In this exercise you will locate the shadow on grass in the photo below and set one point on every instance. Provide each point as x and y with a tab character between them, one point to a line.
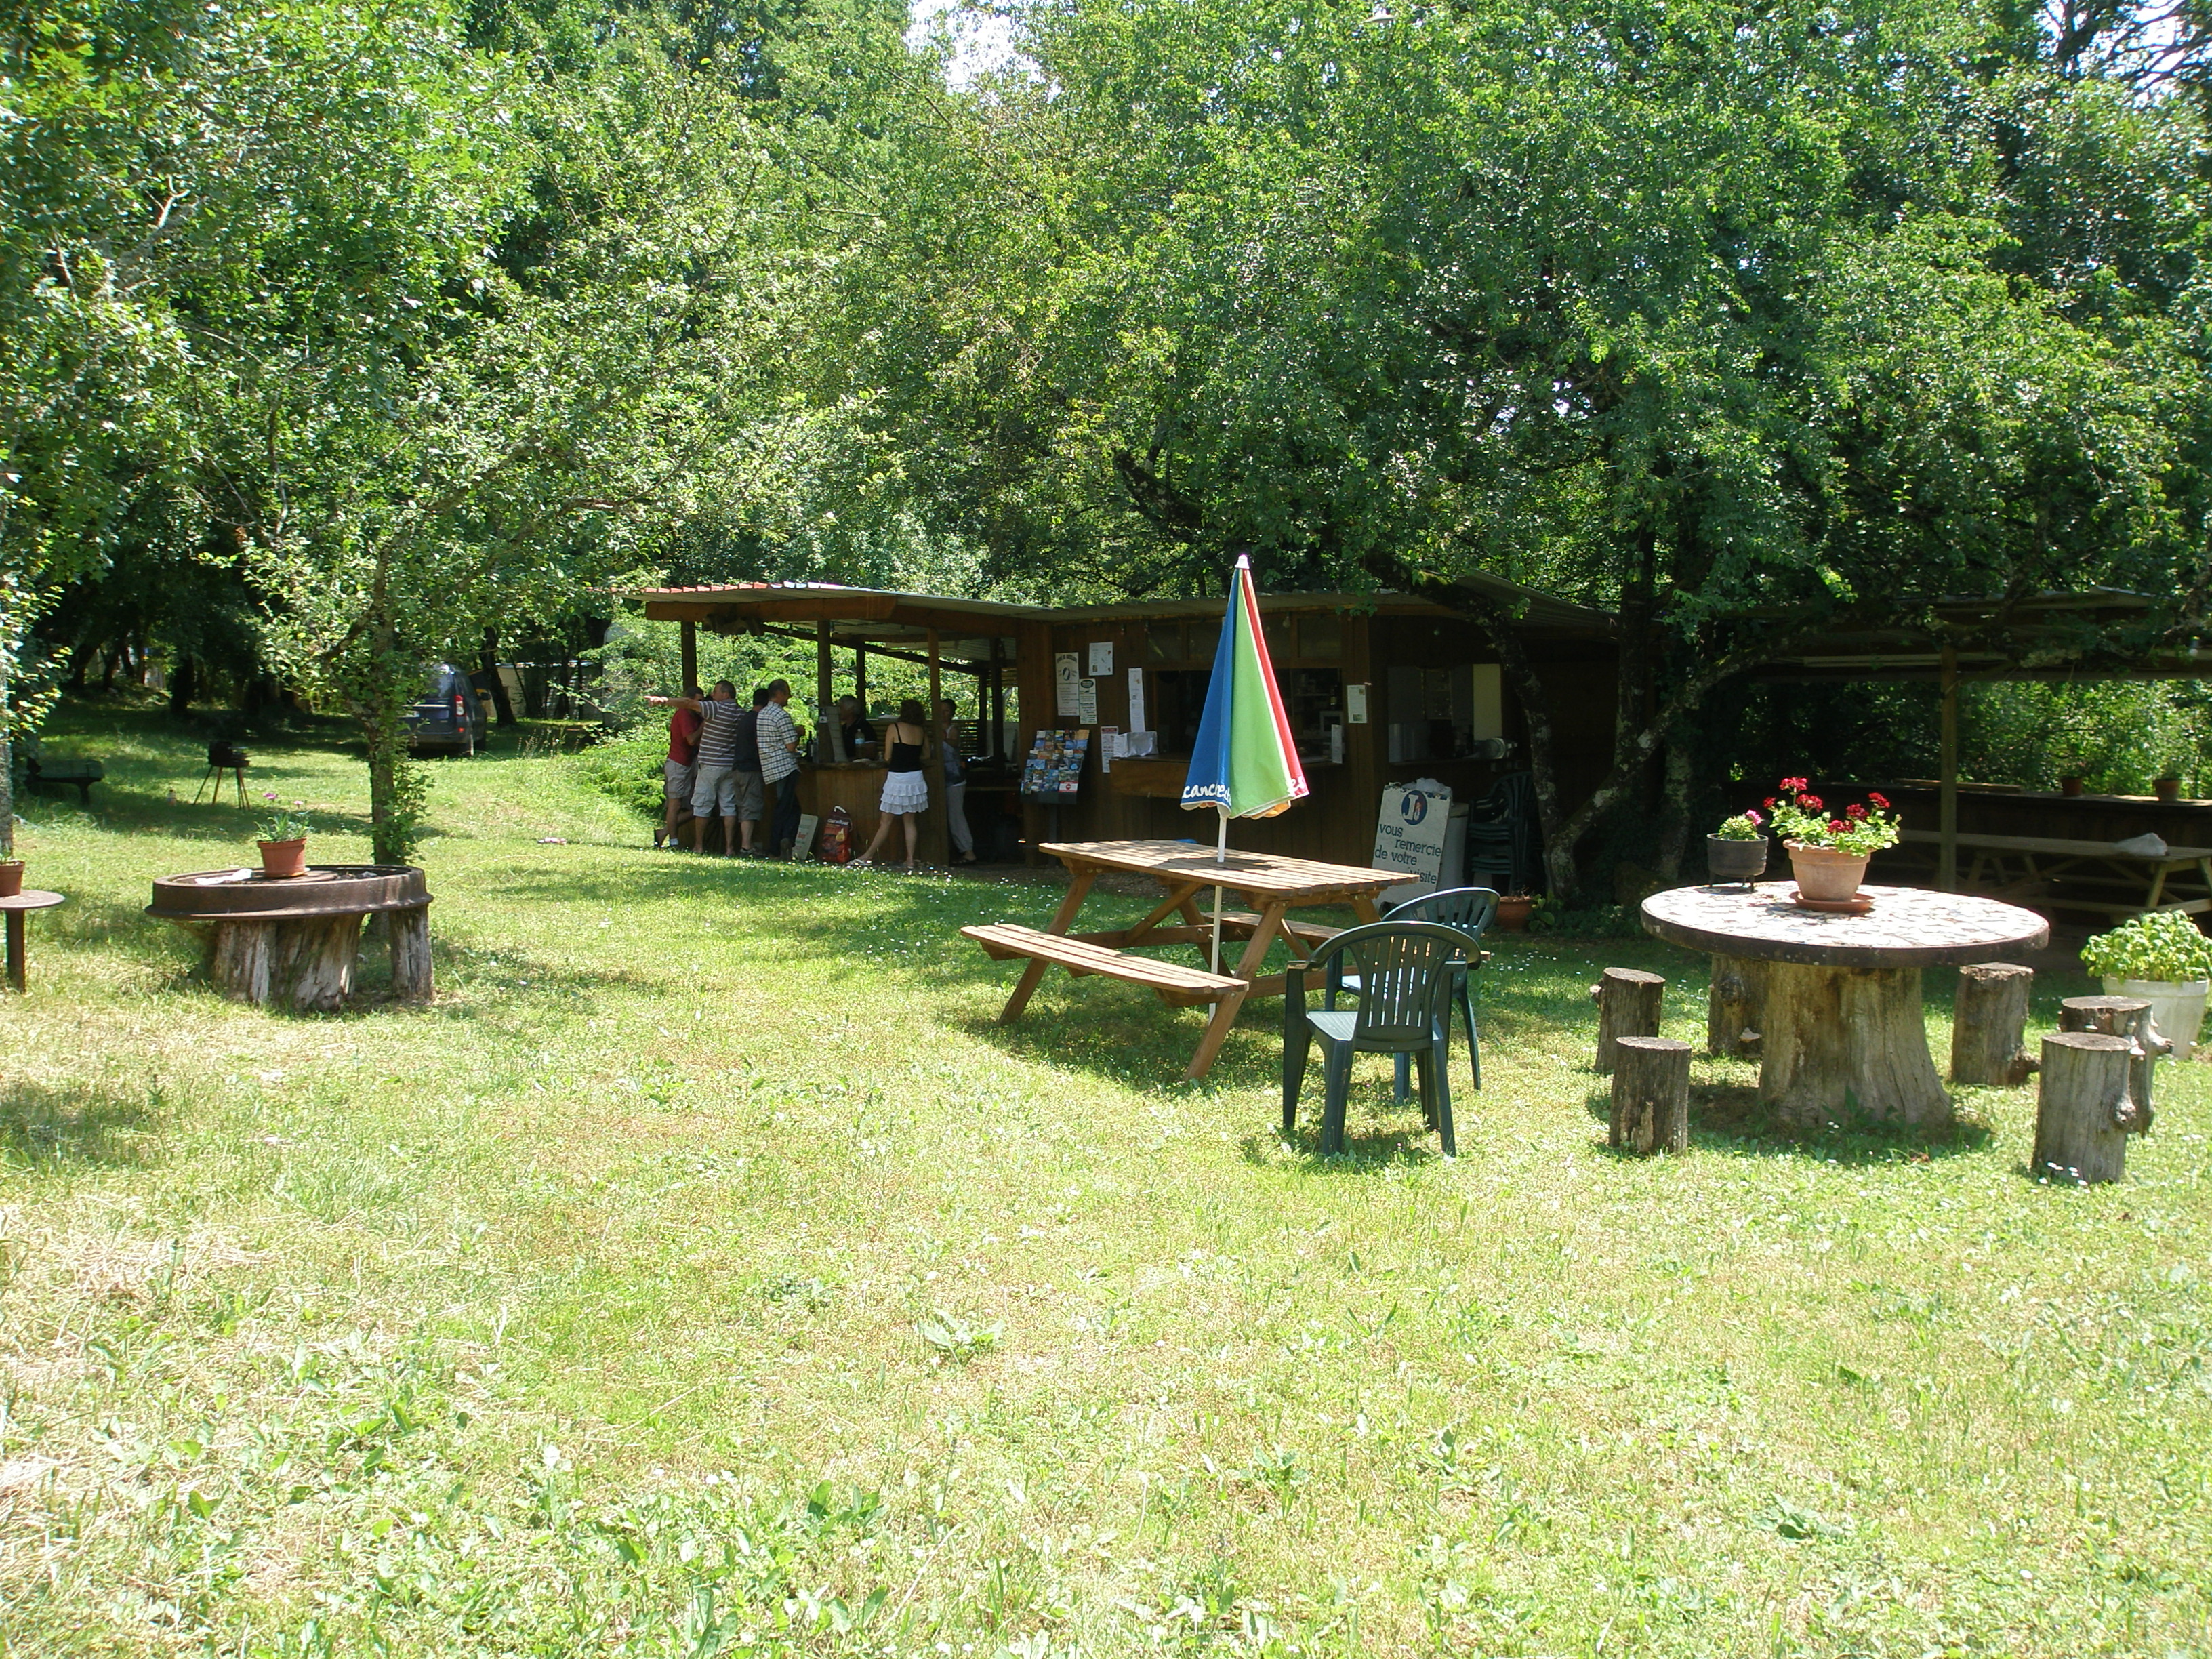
1730	1118
88	1124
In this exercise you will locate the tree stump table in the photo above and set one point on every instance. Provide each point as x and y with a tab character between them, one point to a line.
17	906
1842	1027
294	941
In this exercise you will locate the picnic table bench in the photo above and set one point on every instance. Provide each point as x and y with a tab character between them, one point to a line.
1272	883
2095	875
79	775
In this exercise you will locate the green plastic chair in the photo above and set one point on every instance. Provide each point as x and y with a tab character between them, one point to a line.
1469	909
1406	972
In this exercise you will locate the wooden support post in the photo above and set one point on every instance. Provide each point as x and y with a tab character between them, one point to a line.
1988	1023
688	632
829	733
860	674
1627	1006
2122	1016
936	692
1651	1094
1735	1008
998	705
2082	1110
410	933
1947	821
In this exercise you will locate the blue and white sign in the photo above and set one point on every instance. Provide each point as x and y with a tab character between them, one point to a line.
1409	834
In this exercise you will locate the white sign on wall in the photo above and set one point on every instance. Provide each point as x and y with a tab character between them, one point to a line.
1101	659
1137	700
1409	831
1066	681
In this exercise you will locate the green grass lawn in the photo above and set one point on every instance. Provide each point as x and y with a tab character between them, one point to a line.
706	1273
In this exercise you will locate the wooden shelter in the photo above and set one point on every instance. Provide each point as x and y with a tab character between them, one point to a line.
1381	688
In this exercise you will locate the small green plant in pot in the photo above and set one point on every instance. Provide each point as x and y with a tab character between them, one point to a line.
1737	850
283	839
2164	958
1829	847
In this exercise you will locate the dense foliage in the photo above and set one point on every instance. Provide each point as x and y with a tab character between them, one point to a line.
1746	322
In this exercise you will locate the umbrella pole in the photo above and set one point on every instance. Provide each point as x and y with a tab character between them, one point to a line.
1220	856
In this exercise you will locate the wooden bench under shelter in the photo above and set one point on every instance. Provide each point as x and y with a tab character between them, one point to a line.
2080	875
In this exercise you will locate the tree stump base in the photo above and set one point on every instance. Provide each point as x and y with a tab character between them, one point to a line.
2129	1018
1847	1040
1651	1094
295	943
2082	1110
1735	1007
1989	1023
1627	1006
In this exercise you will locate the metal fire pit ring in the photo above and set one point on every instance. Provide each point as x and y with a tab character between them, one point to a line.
325	889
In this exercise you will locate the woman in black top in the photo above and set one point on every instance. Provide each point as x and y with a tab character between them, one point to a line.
906	787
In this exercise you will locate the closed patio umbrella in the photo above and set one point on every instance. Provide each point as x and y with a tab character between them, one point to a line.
1245	762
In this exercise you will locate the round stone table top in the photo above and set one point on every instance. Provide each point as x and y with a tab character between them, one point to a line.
31	898
325	889
1908	927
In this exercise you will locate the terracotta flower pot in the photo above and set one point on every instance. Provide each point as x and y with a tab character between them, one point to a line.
2069	788
2169	789
1513	911
281	859
12	878
1728	858
1823	874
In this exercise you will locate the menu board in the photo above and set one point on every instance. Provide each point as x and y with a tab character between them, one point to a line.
1054	768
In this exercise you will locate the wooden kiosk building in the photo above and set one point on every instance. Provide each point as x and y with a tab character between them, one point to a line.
1380	689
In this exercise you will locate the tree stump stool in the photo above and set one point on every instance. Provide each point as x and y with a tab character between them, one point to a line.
1989	1023
1735	1007
2122	1016
295	942
1840	1029
1651	1094
2082	1110
1627	1006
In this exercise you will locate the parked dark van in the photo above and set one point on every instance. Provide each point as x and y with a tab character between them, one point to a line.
447	718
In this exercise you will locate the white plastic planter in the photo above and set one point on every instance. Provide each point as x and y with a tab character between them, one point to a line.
2177	1009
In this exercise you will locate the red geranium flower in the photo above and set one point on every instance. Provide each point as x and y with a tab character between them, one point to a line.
1810	803
1838	825
1882	801
1793	783
1855	810
1769	803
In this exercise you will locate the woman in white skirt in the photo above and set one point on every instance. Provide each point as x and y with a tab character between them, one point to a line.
906	789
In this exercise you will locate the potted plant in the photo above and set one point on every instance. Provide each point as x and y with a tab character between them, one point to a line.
1828	849
284	838
12	878
1737	850
1513	910
2164	958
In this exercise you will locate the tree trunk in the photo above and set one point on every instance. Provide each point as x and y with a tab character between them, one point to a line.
238	960
2082	1110
1627	1006
312	960
1735	1008
2122	1016
183	685
1840	1040
1651	1095
410	954
502	707
1674	814
1988	1022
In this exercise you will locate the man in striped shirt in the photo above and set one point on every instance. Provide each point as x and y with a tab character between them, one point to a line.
714	783
778	758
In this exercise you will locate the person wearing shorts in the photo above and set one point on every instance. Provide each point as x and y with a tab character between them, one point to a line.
752	796
714	785
677	775
906	787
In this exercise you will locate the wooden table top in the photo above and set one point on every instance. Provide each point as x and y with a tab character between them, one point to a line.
2058	847
31	899
1244	872
1908	927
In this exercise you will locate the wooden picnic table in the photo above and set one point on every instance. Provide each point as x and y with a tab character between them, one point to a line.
2082	875
1840	1022
1273	886
17	906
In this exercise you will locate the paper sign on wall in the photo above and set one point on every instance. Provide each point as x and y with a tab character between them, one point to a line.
1101	659
1355	705
1137	699
1067	680
1086	702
